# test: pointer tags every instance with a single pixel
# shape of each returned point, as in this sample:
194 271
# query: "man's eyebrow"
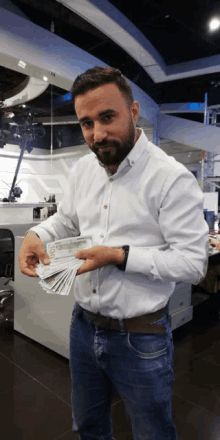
109 110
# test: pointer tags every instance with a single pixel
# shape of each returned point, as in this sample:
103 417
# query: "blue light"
67 97
193 106
63 98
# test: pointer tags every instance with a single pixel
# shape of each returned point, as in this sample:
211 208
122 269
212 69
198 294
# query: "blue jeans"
138 366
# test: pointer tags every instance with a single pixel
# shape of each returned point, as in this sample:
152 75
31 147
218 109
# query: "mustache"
105 143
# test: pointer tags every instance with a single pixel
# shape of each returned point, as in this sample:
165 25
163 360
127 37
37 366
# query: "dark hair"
97 76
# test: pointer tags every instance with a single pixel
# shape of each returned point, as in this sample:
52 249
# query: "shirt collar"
135 153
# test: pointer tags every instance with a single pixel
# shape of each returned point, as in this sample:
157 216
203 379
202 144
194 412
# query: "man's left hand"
99 256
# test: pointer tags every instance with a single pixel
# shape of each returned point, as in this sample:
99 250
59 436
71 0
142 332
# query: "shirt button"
110 179
101 235
94 291
132 162
105 206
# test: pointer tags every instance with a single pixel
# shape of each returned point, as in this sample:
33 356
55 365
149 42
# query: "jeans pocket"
150 346
147 346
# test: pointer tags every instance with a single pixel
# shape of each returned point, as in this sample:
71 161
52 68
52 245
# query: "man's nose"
99 133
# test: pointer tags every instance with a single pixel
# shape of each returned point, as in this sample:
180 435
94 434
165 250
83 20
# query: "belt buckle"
106 321
96 317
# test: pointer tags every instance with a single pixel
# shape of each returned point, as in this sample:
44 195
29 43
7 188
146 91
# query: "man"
144 212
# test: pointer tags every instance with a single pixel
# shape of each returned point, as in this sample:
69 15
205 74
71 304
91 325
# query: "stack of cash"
58 276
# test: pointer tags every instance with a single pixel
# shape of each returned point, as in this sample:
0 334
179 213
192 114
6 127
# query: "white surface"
42 317
34 88
181 317
18 205
18 213
181 297
211 201
40 175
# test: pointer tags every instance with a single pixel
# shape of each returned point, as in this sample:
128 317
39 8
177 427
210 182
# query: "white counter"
18 212
23 205
43 317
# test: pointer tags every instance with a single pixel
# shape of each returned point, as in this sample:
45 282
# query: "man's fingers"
86 267
85 254
32 251
81 269
29 272
44 258
28 263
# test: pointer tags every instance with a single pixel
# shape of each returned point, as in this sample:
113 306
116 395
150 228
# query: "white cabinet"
181 297
180 308
181 317
42 317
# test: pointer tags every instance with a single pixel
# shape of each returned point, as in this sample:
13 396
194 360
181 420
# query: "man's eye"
104 119
107 118
86 124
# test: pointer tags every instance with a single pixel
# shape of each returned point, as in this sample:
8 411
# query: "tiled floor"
35 386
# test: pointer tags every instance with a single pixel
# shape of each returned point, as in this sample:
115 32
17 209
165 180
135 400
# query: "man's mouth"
102 149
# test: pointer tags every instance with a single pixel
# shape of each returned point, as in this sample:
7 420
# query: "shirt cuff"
141 261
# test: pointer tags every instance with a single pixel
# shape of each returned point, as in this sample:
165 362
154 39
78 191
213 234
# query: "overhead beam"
190 133
190 107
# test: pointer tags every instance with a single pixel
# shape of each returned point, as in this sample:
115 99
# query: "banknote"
68 246
58 276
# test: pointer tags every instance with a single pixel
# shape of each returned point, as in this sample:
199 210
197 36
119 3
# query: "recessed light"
23 105
45 78
214 24
22 64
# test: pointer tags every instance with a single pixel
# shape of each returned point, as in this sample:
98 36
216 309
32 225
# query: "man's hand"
31 252
215 243
99 256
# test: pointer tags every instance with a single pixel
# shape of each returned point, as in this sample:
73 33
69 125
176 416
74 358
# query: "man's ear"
135 111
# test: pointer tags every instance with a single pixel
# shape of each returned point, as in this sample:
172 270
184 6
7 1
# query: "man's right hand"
31 252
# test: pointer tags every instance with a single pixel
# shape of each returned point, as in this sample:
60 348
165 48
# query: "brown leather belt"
140 324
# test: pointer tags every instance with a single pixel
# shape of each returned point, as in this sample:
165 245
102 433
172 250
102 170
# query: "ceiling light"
45 78
24 105
22 64
214 24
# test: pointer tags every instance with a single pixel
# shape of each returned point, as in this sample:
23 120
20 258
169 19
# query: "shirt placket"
103 230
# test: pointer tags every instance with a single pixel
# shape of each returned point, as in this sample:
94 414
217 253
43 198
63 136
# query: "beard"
117 150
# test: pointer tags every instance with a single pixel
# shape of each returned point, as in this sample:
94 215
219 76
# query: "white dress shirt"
154 205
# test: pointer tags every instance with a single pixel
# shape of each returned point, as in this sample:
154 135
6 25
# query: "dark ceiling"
10 79
178 31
